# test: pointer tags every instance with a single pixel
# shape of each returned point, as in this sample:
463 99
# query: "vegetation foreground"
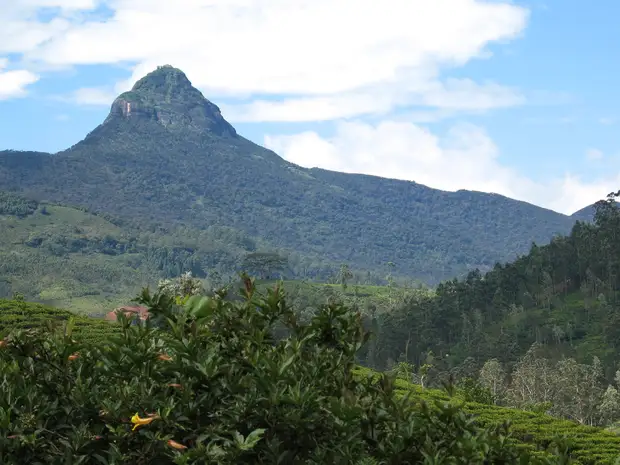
215 381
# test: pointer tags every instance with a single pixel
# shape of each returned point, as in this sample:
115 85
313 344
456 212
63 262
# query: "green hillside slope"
165 156
16 315
74 259
67 257
90 263
532 431
564 295
540 333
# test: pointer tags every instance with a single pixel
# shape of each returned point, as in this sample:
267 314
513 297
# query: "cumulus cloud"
464 158
453 95
13 83
331 59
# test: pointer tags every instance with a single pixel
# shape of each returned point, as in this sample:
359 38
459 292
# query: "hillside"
20 315
165 156
585 214
563 295
531 431
89 263
542 331
66 257
75 259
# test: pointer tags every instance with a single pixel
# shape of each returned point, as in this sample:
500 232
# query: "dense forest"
541 332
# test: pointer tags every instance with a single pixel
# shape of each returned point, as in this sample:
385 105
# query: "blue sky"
518 98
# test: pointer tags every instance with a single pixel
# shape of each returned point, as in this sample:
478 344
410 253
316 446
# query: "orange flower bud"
176 445
164 357
74 356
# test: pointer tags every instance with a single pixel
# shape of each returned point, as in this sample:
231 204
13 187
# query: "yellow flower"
137 421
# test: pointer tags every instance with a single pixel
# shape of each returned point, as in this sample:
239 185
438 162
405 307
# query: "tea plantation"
16 314
531 432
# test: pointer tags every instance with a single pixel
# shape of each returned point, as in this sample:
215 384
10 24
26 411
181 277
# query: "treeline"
216 253
561 297
563 388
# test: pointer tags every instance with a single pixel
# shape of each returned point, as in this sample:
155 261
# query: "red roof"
143 312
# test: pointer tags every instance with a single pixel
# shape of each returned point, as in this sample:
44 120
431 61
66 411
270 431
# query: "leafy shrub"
531 431
207 382
11 204
472 390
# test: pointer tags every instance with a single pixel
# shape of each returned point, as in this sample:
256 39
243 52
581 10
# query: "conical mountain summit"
167 96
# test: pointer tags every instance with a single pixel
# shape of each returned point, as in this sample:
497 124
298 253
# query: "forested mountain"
564 294
165 156
546 327
87 262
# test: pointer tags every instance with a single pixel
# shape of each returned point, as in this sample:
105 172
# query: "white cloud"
466 158
13 83
331 58
594 154
453 95
606 121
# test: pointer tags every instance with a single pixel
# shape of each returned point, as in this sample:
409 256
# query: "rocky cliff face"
167 96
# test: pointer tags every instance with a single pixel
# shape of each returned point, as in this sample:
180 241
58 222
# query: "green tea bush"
205 381
530 431
18 314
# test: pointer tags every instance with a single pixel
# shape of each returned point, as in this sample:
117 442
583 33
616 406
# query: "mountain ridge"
169 159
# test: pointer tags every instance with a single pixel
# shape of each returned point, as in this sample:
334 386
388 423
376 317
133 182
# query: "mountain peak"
167 96
166 81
